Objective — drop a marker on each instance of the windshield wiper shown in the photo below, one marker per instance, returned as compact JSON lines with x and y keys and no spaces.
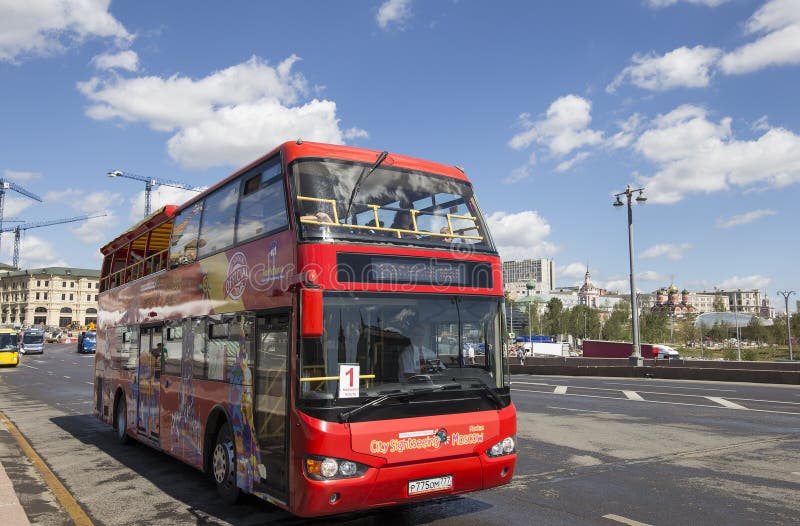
{"x":361,"y":179}
{"x":487,"y":391}
{"x":345,"y":416}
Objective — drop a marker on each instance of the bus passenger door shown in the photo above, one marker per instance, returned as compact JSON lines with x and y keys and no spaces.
{"x":149,"y":375}
{"x":271,"y":391}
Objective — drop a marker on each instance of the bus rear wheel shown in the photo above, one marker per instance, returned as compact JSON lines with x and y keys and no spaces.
{"x":121,"y":420}
{"x":224,"y":466}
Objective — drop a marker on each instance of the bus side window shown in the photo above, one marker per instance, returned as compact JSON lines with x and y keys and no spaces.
{"x":219,"y":218}
{"x":198,"y":339}
{"x":183,"y":244}
{"x":173,"y":343}
{"x":262,"y":207}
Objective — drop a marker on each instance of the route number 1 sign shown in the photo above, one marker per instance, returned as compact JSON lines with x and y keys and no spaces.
{"x":349,"y":380}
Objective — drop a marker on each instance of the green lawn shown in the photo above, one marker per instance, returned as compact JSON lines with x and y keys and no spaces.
{"x":763,"y":354}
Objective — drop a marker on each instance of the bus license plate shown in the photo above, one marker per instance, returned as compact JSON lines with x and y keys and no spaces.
{"x":417,"y":487}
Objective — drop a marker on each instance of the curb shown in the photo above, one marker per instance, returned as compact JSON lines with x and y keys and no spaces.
{"x":10,"y":509}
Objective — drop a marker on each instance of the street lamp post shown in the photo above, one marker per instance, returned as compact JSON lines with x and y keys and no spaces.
{"x":636,"y":354}
{"x":786,"y":294}
{"x":736,"y":319}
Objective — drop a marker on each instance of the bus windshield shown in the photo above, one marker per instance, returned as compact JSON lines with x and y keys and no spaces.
{"x":392,"y":205}
{"x":33,"y":337}
{"x":405,"y":342}
{"x":8,"y":342}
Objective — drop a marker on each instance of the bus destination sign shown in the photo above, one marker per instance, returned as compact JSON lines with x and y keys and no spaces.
{"x":372,"y":268}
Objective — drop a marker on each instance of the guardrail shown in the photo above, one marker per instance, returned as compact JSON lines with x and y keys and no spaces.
{"x":714,"y":370}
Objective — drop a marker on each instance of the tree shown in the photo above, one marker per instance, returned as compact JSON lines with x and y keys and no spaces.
{"x":618,"y":325}
{"x":754,"y":331}
{"x":653,"y":326}
{"x":552,"y":317}
{"x":719,"y":331}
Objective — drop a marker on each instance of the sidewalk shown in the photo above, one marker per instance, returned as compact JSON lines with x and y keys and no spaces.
{"x":10,"y":508}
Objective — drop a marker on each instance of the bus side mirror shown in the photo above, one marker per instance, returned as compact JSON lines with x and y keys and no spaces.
{"x":311,"y":312}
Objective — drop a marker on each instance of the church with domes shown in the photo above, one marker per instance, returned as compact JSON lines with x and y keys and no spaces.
{"x":673,"y":302}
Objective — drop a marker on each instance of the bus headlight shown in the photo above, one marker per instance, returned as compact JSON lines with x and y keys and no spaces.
{"x":329,"y":468}
{"x":504,"y":447}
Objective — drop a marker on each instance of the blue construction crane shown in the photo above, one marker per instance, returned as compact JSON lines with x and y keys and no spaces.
{"x":149,"y":183}
{"x":37,"y":224}
{"x":8,"y":185}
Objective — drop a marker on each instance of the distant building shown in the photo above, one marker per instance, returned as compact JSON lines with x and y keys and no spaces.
{"x":741,"y":300}
{"x":517,"y":275}
{"x":588,"y":294}
{"x":54,"y":296}
{"x":672,"y":302}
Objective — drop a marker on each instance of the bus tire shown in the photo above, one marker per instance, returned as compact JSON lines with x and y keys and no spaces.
{"x":223,"y":466}
{"x":121,"y":421}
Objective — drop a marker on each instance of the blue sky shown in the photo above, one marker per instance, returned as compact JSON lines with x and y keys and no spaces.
{"x":551,"y":107}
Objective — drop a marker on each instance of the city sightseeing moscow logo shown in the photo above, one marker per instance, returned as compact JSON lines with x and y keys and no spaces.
{"x":238,"y":276}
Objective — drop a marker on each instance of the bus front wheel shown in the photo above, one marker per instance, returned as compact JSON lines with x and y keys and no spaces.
{"x":121,"y":417}
{"x":224,"y":466}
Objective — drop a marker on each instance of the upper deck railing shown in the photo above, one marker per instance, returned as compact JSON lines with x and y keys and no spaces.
{"x":448,"y":232}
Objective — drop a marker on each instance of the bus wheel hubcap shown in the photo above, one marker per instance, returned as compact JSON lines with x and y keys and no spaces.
{"x":223,"y":463}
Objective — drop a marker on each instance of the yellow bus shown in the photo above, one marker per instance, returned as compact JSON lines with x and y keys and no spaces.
{"x":9,"y":346}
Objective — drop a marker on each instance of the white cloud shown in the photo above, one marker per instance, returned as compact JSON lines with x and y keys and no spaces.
{"x":628,"y":130}
{"x":13,"y":206}
{"x":523,"y":172}
{"x":569,"y":163}
{"x":160,"y":196}
{"x":682,"y":67}
{"x":650,"y":275}
{"x":565,"y":127}
{"x":127,"y":60}
{"x":756,"y":281}
{"x":21,"y":177}
{"x":521,"y":235}
{"x":666,"y":3}
{"x":779,"y":21}
{"x":90,"y":231}
{"x":572,"y":270}
{"x":761,"y":124}
{"x":743,"y":219}
{"x":44,"y":27}
{"x":227,"y":118}
{"x":695,"y":155}
{"x":619,"y":286}
{"x":34,"y":252}
{"x":670,"y":251}
{"x":393,"y":12}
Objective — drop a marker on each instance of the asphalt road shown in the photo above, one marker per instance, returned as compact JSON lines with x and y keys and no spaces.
{"x":592,"y":451}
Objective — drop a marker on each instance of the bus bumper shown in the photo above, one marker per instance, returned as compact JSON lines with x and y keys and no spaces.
{"x":388,"y":485}
{"x":9,"y":358}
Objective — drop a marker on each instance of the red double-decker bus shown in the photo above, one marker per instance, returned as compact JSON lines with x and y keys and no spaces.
{"x":299,"y":331}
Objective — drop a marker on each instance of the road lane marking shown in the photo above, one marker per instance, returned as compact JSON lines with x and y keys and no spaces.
{"x":69,"y":504}
{"x":560,"y":389}
{"x":67,"y":377}
{"x":658,"y":402}
{"x":633,"y":395}
{"x":29,"y":366}
{"x":90,"y":383}
{"x":726,"y":403}
{"x":576,"y":409}
{"x":624,"y":520}
{"x":670,"y":386}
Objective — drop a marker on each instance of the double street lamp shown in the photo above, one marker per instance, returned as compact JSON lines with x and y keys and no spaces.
{"x":786,"y":294}
{"x":636,"y":355}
